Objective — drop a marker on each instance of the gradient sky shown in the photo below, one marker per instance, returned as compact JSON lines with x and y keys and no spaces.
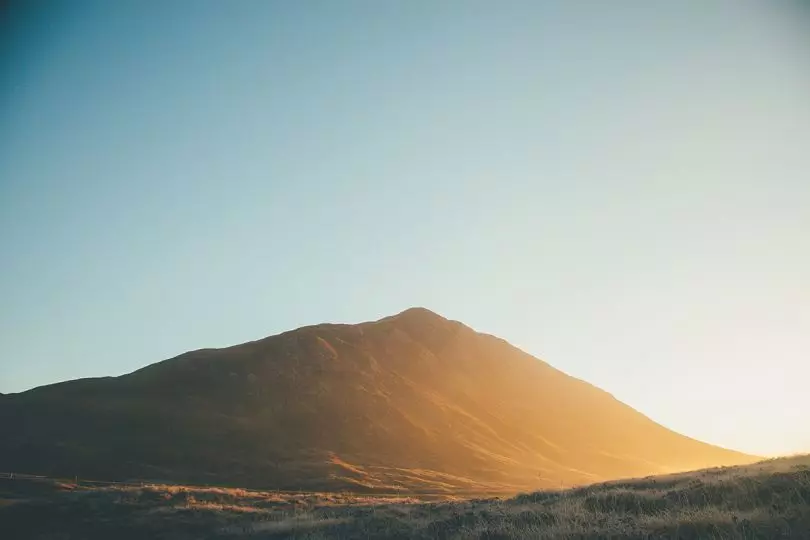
{"x":619,"y":188}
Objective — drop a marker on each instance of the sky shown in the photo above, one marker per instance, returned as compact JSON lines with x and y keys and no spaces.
{"x":619,"y":188}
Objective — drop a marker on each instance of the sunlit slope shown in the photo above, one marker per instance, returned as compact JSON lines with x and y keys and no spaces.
{"x":412,"y":401}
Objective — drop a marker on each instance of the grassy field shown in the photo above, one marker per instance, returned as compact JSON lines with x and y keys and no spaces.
{"x":765,"y":500}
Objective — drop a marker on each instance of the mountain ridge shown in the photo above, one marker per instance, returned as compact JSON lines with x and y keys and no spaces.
{"x":409,"y":401}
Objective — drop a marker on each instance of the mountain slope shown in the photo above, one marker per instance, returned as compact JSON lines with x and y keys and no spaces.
{"x":413,"y":401}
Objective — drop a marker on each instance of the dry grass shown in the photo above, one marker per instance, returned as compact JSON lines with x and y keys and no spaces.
{"x":766,"y":500}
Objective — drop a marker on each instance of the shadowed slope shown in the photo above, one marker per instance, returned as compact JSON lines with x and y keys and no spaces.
{"x":413,"y":401}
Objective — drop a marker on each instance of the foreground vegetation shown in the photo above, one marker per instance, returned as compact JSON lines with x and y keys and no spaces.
{"x":765,"y":500}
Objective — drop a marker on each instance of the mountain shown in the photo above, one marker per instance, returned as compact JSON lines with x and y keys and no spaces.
{"x":413,"y":401}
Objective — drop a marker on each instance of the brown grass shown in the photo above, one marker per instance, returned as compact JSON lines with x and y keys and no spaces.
{"x":765,"y":500}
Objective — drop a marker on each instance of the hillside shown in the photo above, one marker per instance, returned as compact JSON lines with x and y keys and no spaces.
{"x":765,"y":500}
{"x":413,"y":401}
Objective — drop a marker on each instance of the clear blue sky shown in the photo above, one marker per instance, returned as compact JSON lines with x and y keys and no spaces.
{"x":620,"y":188}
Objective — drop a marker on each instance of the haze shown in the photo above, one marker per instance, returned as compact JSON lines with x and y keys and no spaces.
{"x":620,"y":189}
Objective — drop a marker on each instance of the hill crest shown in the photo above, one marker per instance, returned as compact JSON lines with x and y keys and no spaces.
{"x":413,"y":401}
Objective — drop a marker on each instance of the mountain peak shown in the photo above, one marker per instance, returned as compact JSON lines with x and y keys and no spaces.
{"x":419,"y":312}
{"x":418,"y":319}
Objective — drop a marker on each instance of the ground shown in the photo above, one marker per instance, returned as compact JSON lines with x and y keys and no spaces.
{"x":765,"y":500}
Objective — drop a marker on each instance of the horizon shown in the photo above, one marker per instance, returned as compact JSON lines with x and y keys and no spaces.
{"x":396,"y":314}
{"x":620,"y":191}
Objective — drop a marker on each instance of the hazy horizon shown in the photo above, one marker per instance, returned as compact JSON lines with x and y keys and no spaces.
{"x":620,"y":190}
